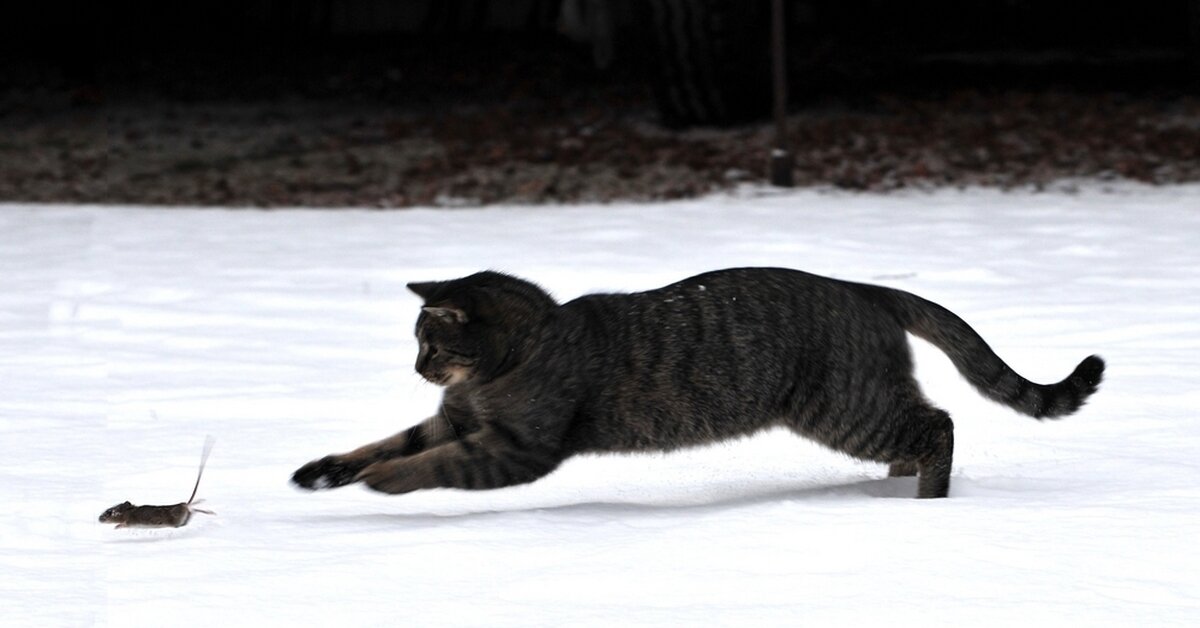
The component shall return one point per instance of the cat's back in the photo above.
(697, 329)
(724, 343)
(735, 300)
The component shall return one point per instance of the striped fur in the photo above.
(529, 382)
(980, 366)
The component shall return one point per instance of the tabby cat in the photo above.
(529, 383)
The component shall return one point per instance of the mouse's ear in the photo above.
(127, 503)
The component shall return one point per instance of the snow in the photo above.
(129, 334)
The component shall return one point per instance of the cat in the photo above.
(529, 383)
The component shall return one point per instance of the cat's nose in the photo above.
(422, 361)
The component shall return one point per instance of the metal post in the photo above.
(781, 156)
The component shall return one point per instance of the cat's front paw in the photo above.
(328, 472)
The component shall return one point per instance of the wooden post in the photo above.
(781, 156)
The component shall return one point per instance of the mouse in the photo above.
(126, 515)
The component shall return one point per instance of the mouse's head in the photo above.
(116, 514)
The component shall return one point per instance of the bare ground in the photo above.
(502, 135)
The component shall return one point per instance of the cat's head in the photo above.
(473, 328)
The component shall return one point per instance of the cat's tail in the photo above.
(976, 361)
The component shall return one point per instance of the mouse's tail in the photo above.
(208, 444)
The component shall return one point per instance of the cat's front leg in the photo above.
(337, 470)
(487, 459)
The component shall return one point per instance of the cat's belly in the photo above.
(658, 430)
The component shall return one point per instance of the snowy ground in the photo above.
(127, 335)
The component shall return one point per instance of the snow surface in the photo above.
(127, 335)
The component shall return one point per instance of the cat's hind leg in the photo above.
(902, 469)
(909, 435)
(923, 445)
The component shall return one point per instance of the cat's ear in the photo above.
(452, 314)
(424, 289)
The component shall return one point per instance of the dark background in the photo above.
(386, 103)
